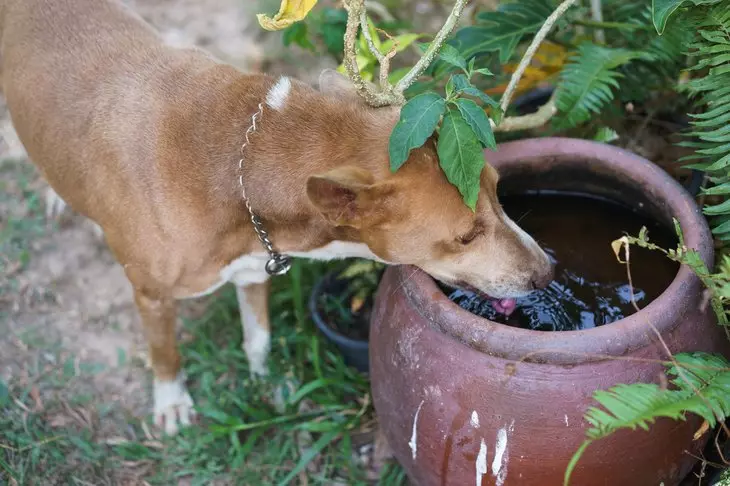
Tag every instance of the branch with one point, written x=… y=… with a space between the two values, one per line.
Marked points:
x=526 y=122
x=534 y=45
x=383 y=60
x=355 y=13
x=433 y=49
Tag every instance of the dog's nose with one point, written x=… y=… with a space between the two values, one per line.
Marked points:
x=542 y=278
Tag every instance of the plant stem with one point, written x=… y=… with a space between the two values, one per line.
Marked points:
x=531 y=49
x=433 y=48
x=525 y=122
x=355 y=13
x=608 y=25
x=597 y=14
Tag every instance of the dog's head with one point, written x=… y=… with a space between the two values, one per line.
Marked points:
x=415 y=216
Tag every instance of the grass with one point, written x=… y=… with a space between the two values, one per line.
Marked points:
x=57 y=427
x=241 y=440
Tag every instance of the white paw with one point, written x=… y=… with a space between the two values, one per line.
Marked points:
x=54 y=204
x=173 y=405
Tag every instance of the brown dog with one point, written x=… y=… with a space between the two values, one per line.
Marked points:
x=146 y=139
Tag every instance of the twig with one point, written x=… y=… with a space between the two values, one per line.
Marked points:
x=526 y=122
x=387 y=96
x=433 y=48
x=383 y=59
x=531 y=49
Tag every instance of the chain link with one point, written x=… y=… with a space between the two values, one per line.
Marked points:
x=277 y=264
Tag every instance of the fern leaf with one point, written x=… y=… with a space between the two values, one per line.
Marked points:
x=502 y=30
x=587 y=82
x=702 y=387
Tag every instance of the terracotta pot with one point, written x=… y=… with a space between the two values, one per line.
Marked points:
x=458 y=395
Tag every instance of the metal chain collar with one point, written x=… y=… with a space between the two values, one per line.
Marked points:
x=277 y=264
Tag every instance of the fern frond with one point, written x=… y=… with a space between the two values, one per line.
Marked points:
x=587 y=82
x=502 y=30
x=701 y=386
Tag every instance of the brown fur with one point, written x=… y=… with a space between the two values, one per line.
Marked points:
x=144 y=139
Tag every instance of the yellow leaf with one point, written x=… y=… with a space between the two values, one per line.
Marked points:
x=290 y=11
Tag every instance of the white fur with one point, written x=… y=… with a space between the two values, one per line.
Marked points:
x=525 y=238
x=249 y=269
x=256 y=339
x=278 y=94
x=173 y=405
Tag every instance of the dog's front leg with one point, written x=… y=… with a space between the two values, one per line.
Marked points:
x=253 y=304
x=173 y=406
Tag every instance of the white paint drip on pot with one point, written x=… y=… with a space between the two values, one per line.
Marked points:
x=481 y=463
x=475 y=419
x=567 y=424
x=501 y=456
x=413 y=444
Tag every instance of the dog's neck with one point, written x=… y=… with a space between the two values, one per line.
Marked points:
x=300 y=133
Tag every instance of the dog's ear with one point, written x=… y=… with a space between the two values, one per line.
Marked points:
x=336 y=85
x=347 y=196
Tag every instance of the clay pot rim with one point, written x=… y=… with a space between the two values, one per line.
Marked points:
x=573 y=347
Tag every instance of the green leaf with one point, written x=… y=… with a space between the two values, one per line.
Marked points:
x=298 y=34
x=502 y=30
x=418 y=120
x=605 y=135
x=586 y=83
x=461 y=156
x=718 y=209
x=478 y=121
x=463 y=85
x=700 y=386
x=661 y=10
x=310 y=454
x=4 y=394
x=484 y=72
x=401 y=42
x=332 y=30
x=451 y=55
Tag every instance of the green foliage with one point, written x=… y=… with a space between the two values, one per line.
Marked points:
x=460 y=155
x=502 y=30
x=464 y=131
x=701 y=385
x=661 y=10
x=710 y=129
x=587 y=82
x=418 y=120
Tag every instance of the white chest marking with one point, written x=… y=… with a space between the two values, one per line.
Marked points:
x=249 y=269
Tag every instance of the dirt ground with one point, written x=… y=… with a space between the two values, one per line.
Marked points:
x=62 y=295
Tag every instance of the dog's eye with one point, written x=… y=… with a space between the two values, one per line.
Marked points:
x=470 y=236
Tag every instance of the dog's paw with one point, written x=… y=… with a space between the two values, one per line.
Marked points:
x=173 y=406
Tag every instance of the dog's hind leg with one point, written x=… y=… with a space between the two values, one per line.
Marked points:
x=253 y=304
x=173 y=406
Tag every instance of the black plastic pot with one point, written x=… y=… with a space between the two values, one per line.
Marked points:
x=531 y=101
x=354 y=351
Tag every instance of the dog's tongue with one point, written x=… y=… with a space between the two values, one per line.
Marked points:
x=504 y=306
